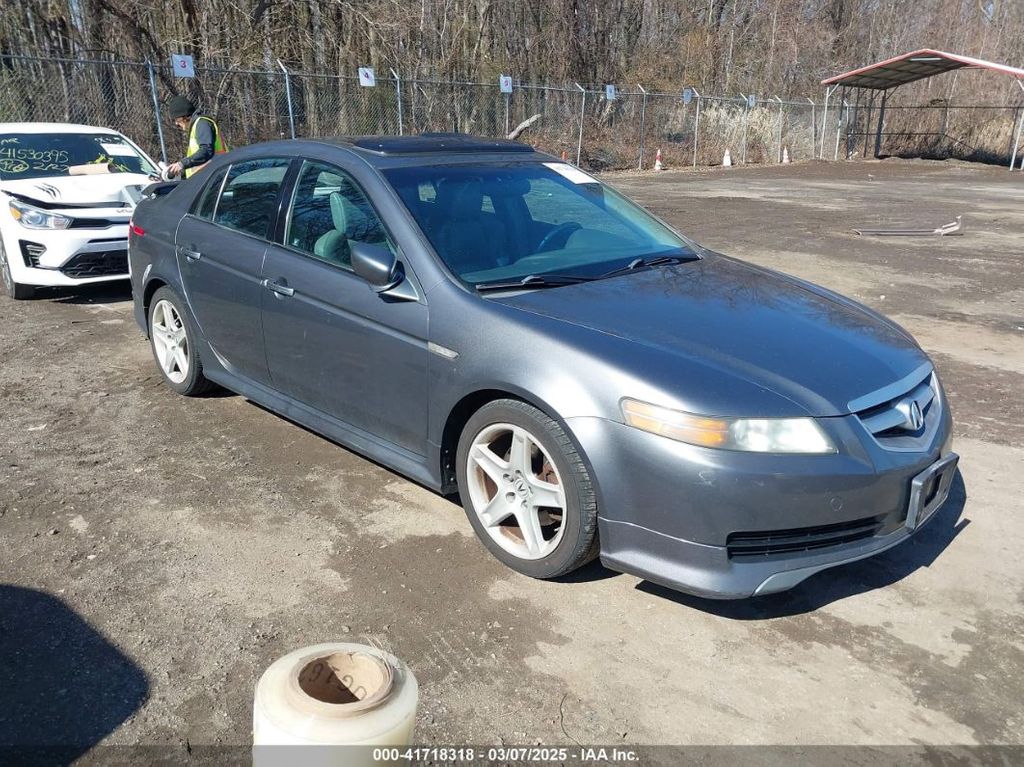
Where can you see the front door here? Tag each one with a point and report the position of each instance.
(332, 342)
(220, 247)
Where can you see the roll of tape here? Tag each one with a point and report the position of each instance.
(333, 695)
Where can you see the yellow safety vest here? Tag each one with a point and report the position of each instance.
(219, 147)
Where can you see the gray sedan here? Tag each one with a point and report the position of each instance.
(487, 320)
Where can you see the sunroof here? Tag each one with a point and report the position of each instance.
(437, 142)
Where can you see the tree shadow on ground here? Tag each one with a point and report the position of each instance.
(63, 686)
(846, 580)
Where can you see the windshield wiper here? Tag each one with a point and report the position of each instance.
(531, 281)
(643, 263)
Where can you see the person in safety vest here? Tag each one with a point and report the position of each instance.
(204, 137)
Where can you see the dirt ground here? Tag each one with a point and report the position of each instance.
(159, 552)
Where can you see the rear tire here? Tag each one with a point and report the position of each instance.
(14, 289)
(526, 490)
(172, 338)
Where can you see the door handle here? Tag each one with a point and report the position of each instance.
(281, 290)
(191, 255)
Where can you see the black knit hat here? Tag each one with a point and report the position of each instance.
(179, 106)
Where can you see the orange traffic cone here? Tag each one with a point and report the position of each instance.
(657, 161)
(565, 156)
(785, 155)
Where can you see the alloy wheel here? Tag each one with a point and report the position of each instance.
(515, 491)
(170, 342)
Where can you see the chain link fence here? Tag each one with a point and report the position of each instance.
(579, 123)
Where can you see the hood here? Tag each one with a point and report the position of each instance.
(102, 189)
(812, 347)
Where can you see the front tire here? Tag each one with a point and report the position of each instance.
(15, 290)
(172, 339)
(526, 490)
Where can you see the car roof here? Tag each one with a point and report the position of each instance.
(53, 128)
(404, 151)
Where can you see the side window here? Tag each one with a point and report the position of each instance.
(206, 203)
(328, 212)
(249, 199)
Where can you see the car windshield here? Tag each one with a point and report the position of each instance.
(44, 155)
(498, 223)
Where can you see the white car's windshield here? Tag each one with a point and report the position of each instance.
(499, 223)
(43, 155)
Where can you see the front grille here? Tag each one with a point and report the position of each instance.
(99, 263)
(96, 223)
(777, 543)
(31, 252)
(890, 421)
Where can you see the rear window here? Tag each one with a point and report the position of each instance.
(45, 155)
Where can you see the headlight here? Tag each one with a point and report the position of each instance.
(756, 435)
(34, 218)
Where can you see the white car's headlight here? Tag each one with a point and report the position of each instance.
(33, 218)
(756, 435)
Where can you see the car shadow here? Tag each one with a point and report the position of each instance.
(63, 685)
(102, 293)
(844, 581)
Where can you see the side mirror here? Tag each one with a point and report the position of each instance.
(377, 265)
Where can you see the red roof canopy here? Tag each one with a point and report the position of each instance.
(916, 65)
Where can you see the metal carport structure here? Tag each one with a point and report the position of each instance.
(886, 76)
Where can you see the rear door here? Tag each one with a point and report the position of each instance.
(332, 342)
(220, 247)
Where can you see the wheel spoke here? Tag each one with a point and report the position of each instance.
(493, 466)
(529, 525)
(546, 494)
(167, 360)
(169, 319)
(496, 511)
(519, 457)
(181, 359)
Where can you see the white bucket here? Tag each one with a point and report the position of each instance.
(332, 696)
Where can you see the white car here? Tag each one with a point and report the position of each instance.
(67, 193)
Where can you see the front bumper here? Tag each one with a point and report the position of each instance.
(730, 525)
(46, 258)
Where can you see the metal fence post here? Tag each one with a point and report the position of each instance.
(696, 127)
(508, 98)
(288, 96)
(824, 120)
(583, 113)
(778, 154)
(746, 120)
(1016, 140)
(398, 98)
(814, 129)
(156, 110)
(839, 125)
(643, 116)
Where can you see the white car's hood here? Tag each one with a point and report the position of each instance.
(101, 189)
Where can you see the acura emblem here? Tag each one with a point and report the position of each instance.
(913, 418)
(916, 418)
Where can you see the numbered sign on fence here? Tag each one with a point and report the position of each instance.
(366, 77)
(751, 101)
(505, 83)
(183, 65)
(609, 92)
(687, 95)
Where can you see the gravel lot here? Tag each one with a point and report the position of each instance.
(159, 552)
